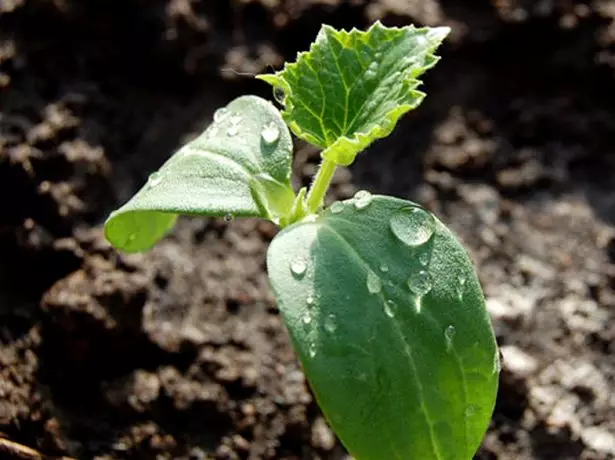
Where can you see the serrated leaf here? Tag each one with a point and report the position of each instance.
(388, 318)
(351, 88)
(240, 165)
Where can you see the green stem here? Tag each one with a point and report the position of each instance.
(319, 188)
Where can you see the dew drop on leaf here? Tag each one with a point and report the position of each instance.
(461, 282)
(220, 114)
(424, 259)
(131, 237)
(384, 268)
(420, 282)
(362, 199)
(279, 95)
(337, 207)
(270, 133)
(307, 318)
(330, 323)
(374, 285)
(312, 349)
(298, 267)
(310, 300)
(412, 225)
(232, 131)
(228, 217)
(389, 308)
(470, 410)
(154, 179)
(449, 334)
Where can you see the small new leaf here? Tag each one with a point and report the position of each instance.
(240, 165)
(351, 88)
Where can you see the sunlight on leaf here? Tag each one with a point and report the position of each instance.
(240, 166)
(351, 88)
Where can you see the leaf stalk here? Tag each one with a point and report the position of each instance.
(316, 195)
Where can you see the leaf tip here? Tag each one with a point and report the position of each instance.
(439, 33)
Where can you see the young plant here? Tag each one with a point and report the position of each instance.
(383, 305)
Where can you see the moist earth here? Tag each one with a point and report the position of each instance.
(180, 353)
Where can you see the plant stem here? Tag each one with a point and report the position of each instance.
(320, 185)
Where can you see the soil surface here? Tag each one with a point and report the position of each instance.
(180, 353)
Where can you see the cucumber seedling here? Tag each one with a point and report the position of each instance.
(383, 305)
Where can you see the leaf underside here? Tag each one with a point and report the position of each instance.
(240, 165)
(399, 375)
(351, 88)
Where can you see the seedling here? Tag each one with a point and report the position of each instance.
(383, 305)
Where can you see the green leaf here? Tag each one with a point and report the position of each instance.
(351, 88)
(240, 165)
(387, 316)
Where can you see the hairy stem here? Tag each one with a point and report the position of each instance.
(316, 195)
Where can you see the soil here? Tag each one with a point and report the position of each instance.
(180, 353)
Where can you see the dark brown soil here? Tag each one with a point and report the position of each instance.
(180, 353)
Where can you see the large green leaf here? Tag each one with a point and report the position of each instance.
(240, 165)
(352, 87)
(388, 318)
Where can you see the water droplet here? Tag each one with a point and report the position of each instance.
(362, 199)
(220, 114)
(337, 207)
(310, 300)
(279, 95)
(449, 334)
(232, 131)
(374, 285)
(470, 410)
(384, 268)
(461, 282)
(330, 323)
(312, 349)
(420, 283)
(270, 133)
(389, 308)
(412, 225)
(298, 267)
(307, 318)
(424, 259)
(228, 217)
(131, 237)
(154, 179)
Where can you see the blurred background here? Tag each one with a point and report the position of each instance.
(180, 353)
